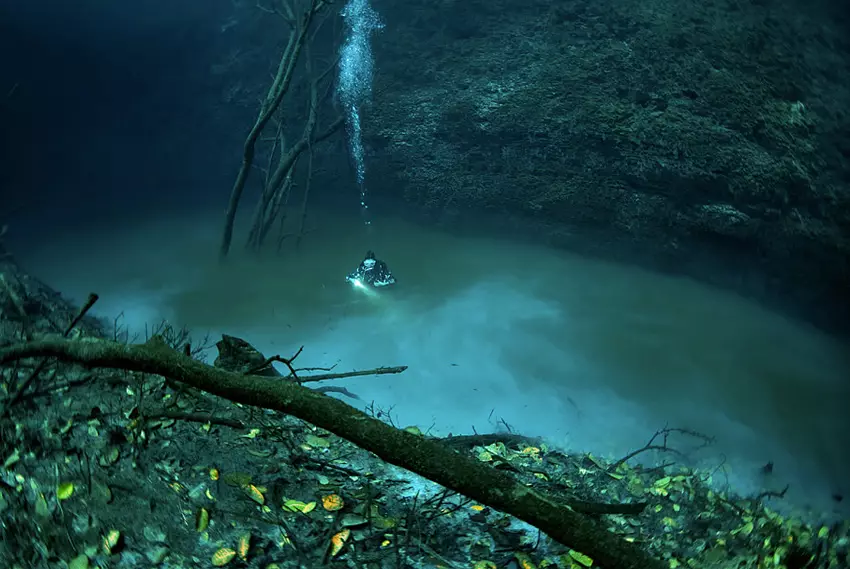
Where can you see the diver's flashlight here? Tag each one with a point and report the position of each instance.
(363, 288)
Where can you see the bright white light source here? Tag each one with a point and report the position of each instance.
(364, 288)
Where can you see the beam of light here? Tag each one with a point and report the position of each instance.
(364, 288)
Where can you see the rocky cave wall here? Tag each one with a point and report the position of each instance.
(708, 138)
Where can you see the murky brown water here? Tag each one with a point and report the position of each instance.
(594, 355)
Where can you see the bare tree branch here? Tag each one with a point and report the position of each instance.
(272, 102)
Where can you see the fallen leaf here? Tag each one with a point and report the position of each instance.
(223, 556)
(298, 506)
(110, 541)
(332, 502)
(581, 558)
(65, 490)
(254, 493)
(202, 520)
(338, 541)
(524, 560)
(252, 434)
(317, 442)
(243, 545)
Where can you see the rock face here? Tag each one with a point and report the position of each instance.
(708, 138)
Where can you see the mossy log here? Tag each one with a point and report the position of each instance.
(427, 457)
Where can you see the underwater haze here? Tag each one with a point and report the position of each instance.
(604, 218)
(588, 354)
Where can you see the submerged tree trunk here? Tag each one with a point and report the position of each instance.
(274, 97)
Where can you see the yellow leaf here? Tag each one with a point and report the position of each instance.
(413, 430)
(592, 459)
(202, 520)
(252, 434)
(293, 505)
(65, 490)
(485, 456)
(318, 442)
(332, 502)
(110, 540)
(484, 565)
(243, 545)
(524, 561)
(744, 530)
(338, 541)
(299, 506)
(214, 474)
(581, 558)
(223, 556)
(478, 508)
(254, 493)
(12, 459)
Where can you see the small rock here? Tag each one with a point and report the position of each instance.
(154, 534)
(353, 520)
(156, 555)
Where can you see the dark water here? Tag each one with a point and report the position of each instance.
(592, 355)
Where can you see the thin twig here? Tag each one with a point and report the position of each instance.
(665, 434)
(355, 373)
(196, 418)
(16, 397)
(278, 358)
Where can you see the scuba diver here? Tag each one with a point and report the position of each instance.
(371, 272)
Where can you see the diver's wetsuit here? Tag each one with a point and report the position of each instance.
(372, 272)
